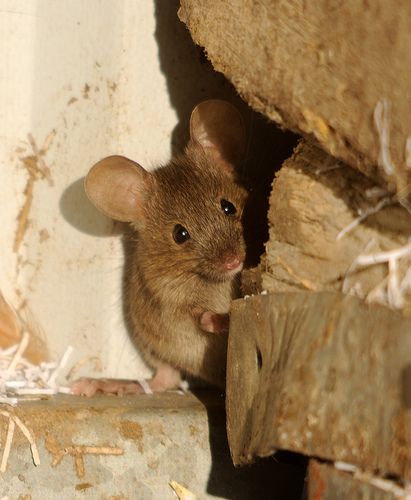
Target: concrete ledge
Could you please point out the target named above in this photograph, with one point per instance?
(132, 447)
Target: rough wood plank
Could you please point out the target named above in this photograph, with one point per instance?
(321, 374)
(325, 482)
(313, 199)
(321, 69)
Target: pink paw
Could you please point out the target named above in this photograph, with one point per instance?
(214, 322)
(91, 386)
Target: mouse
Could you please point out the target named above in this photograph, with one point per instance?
(187, 254)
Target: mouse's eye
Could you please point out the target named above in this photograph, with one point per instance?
(180, 234)
(228, 207)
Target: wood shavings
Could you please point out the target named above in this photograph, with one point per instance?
(7, 446)
(395, 297)
(181, 492)
(382, 123)
(96, 361)
(20, 350)
(78, 452)
(145, 386)
(62, 363)
(391, 290)
(376, 258)
(346, 467)
(20, 377)
(386, 485)
(30, 439)
(14, 420)
(366, 213)
(79, 464)
(383, 484)
(408, 152)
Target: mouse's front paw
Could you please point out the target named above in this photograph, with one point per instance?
(213, 322)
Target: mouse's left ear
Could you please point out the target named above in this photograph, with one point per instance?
(219, 129)
(118, 187)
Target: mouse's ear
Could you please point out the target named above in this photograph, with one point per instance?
(219, 128)
(117, 187)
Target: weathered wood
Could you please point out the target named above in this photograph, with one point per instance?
(324, 69)
(313, 199)
(321, 374)
(325, 482)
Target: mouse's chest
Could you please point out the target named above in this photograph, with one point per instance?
(214, 297)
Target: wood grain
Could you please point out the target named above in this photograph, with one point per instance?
(320, 69)
(313, 199)
(321, 374)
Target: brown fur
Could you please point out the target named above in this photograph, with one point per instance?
(169, 285)
(178, 295)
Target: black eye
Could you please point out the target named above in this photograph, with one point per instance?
(228, 207)
(180, 234)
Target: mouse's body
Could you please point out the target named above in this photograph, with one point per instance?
(188, 250)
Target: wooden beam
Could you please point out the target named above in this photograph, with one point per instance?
(337, 72)
(321, 374)
(313, 204)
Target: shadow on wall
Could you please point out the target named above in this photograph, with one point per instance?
(78, 211)
(190, 77)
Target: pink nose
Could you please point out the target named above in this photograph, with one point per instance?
(232, 262)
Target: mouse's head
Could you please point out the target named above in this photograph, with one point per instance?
(187, 213)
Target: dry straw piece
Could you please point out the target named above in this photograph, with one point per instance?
(18, 376)
(181, 492)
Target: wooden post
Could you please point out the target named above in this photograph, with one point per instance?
(321, 374)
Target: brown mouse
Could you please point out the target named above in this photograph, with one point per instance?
(188, 252)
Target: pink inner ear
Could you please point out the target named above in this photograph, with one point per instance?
(217, 126)
(117, 186)
(128, 195)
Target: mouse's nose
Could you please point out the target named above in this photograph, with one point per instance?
(232, 262)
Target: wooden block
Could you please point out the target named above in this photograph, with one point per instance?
(325, 482)
(324, 69)
(321, 374)
(313, 200)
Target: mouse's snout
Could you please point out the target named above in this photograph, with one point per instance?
(232, 262)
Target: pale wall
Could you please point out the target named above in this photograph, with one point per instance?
(86, 78)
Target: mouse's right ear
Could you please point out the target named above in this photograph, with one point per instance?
(218, 127)
(117, 187)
